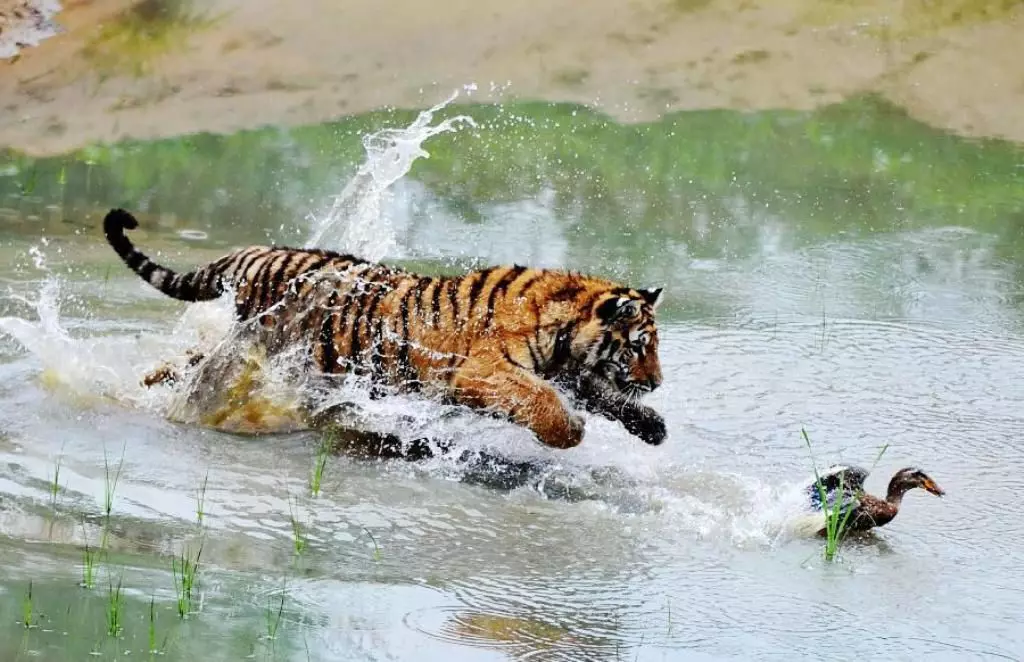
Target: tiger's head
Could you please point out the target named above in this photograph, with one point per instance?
(620, 339)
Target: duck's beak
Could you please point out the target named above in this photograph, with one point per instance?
(932, 487)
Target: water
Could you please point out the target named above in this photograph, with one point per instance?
(848, 271)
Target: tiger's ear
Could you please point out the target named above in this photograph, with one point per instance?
(617, 307)
(653, 297)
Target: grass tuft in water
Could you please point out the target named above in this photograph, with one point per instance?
(28, 618)
(201, 499)
(55, 485)
(110, 484)
(836, 518)
(376, 547)
(298, 536)
(316, 475)
(151, 629)
(274, 618)
(186, 573)
(88, 566)
(115, 607)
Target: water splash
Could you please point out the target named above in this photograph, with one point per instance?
(355, 222)
(38, 257)
(103, 366)
(75, 365)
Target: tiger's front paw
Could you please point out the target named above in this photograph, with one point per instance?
(564, 432)
(647, 424)
(576, 427)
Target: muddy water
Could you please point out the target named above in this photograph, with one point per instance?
(849, 272)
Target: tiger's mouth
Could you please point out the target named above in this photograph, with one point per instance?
(633, 387)
(619, 377)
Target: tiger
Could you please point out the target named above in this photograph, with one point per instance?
(505, 340)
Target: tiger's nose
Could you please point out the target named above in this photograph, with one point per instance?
(653, 382)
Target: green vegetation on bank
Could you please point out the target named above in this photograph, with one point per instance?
(864, 161)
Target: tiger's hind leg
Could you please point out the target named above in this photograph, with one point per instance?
(165, 374)
(485, 382)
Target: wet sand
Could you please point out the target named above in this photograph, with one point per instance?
(165, 68)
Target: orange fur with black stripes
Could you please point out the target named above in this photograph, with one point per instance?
(498, 339)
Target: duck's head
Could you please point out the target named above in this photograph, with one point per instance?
(909, 478)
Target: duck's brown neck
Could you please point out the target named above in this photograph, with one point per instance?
(877, 512)
(897, 488)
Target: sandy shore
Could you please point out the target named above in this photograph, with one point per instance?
(162, 67)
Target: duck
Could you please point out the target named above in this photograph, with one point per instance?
(844, 484)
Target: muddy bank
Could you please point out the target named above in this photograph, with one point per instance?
(168, 67)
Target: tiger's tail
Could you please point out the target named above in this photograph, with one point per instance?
(202, 284)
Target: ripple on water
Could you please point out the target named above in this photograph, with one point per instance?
(961, 648)
(527, 616)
